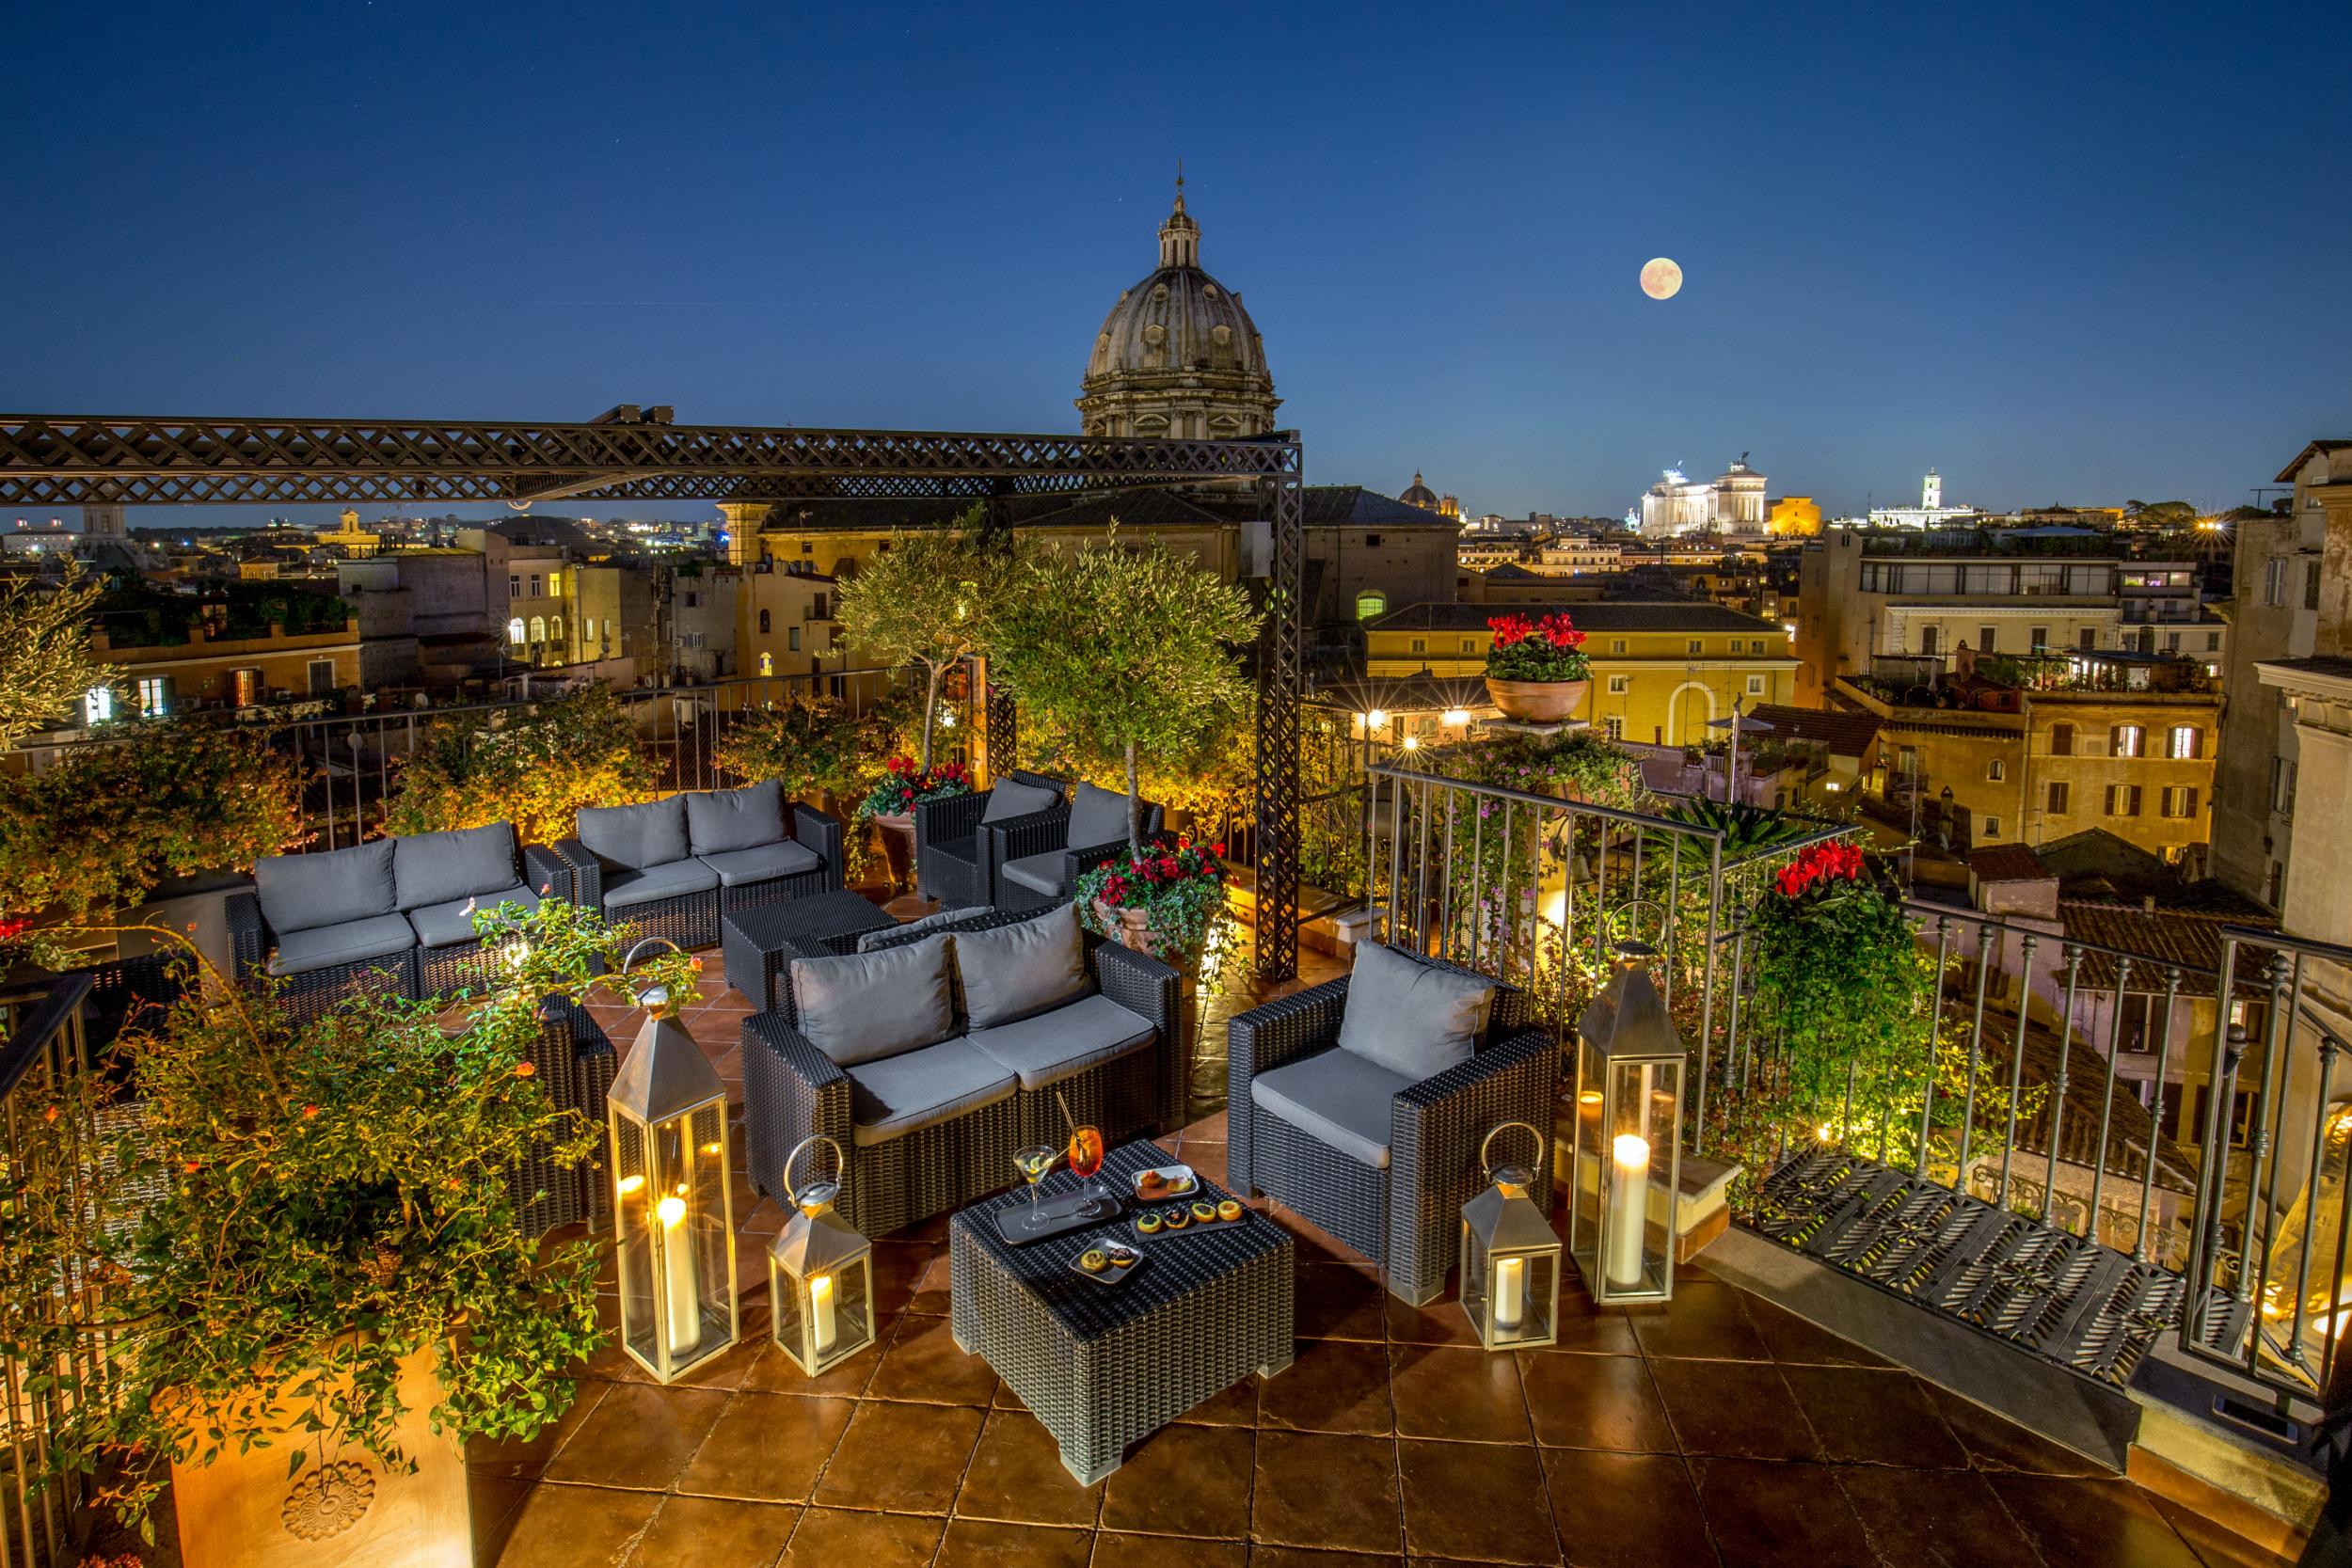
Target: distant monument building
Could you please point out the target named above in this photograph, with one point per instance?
(1418, 493)
(1930, 512)
(1732, 502)
(1178, 356)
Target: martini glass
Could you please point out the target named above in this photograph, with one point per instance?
(1033, 1163)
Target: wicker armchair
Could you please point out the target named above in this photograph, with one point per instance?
(1036, 864)
(692, 919)
(953, 860)
(1405, 1216)
(791, 1090)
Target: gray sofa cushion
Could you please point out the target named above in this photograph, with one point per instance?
(1067, 1040)
(720, 820)
(863, 1007)
(378, 936)
(890, 935)
(1338, 1098)
(762, 863)
(1097, 817)
(1037, 873)
(627, 889)
(447, 925)
(632, 838)
(1014, 970)
(893, 1096)
(1008, 798)
(434, 868)
(1412, 1017)
(302, 893)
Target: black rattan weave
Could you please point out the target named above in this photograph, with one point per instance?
(759, 943)
(693, 920)
(952, 854)
(1023, 836)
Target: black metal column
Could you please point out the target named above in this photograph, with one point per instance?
(1001, 717)
(1282, 667)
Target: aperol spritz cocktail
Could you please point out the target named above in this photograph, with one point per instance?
(1086, 1158)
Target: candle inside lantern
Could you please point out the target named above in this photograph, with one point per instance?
(820, 1324)
(1510, 1293)
(1629, 1209)
(684, 1298)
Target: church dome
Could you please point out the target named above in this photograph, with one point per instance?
(1178, 355)
(1418, 493)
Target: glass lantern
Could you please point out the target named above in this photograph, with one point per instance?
(1510, 1256)
(1629, 1137)
(674, 1207)
(820, 1274)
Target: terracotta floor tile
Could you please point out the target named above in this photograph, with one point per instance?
(1704, 1318)
(1948, 1520)
(1867, 1417)
(1774, 1515)
(1997, 1443)
(2092, 1524)
(923, 1364)
(1334, 1386)
(1185, 1481)
(983, 1544)
(774, 1372)
(1733, 1410)
(767, 1447)
(1442, 1322)
(1595, 1401)
(1017, 1477)
(526, 1458)
(903, 1458)
(831, 1538)
(1114, 1550)
(897, 1266)
(562, 1527)
(1318, 1489)
(1590, 1330)
(1298, 1557)
(1795, 1341)
(1626, 1509)
(639, 1435)
(1466, 1395)
(928, 1294)
(1476, 1502)
(1236, 1405)
(1335, 1301)
(700, 1532)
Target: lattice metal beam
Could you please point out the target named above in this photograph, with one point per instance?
(1282, 676)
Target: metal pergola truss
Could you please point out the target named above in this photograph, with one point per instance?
(634, 454)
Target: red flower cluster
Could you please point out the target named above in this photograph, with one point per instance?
(13, 927)
(1824, 863)
(904, 784)
(1161, 866)
(1556, 629)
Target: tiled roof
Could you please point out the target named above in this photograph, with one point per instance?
(1403, 694)
(1352, 505)
(2008, 862)
(2163, 938)
(1846, 734)
(1605, 616)
(2286, 475)
(2328, 665)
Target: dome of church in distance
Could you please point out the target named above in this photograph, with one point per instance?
(1418, 493)
(1178, 355)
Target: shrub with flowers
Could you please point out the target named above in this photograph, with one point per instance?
(1824, 871)
(1548, 649)
(1178, 884)
(905, 785)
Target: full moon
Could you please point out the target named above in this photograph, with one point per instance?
(1661, 278)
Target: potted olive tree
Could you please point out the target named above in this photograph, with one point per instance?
(45, 664)
(925, 600)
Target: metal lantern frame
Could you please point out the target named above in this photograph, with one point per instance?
(1631, 1071)
(674, 1199)
(820, 1273)
(1510, 1255)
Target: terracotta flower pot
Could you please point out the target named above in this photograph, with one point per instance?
(898, 842)
(1537, 702)
(1130, 929)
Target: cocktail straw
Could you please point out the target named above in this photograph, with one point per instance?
(1067, 1119)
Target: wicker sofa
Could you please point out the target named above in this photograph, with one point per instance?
(1379, 1159)
(672, 867)
(956, 859)
(1112, 1052)
(394, 914)
(1040, 858)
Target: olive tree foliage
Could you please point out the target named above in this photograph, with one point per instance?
(1130, 651)
(925, 599)
(45, 663)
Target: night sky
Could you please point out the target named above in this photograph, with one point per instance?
(2072, 252)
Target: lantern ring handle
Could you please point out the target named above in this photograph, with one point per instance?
(1627, 910)
(840, 1162)
(1487, 1170)
(630, 957)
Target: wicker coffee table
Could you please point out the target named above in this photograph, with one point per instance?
(761, 941)
(1105, 1367)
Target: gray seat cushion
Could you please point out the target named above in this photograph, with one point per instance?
(1097, 817)
(435, 868)
(1337, 1097)
(893, 1096)
(1008, 798)
(302, 893)
(721, 820)
(762, 863)
(379, 936)
(1050, 1046)
(1039, 873)
(447, 925)
(891, 935)
(631, 838)
(1412, 1017)
(625, 889)
(1014, 970)
(862, 1007)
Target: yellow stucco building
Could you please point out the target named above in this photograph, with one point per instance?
(1661, 670)
(1794, 518)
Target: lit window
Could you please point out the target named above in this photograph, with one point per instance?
(98, 704)
(1370, 602)
(2185, 742)
(2127, 740)
(155, 696)
(514, 632)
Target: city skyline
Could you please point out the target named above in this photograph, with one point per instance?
(2021, 250)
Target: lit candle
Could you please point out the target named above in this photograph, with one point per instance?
(1629, 1209)
(820, 1325)
(1510, 1293)
(677, 1268)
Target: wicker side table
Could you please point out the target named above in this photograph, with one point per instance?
(1105, 1368)
(758, 942)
